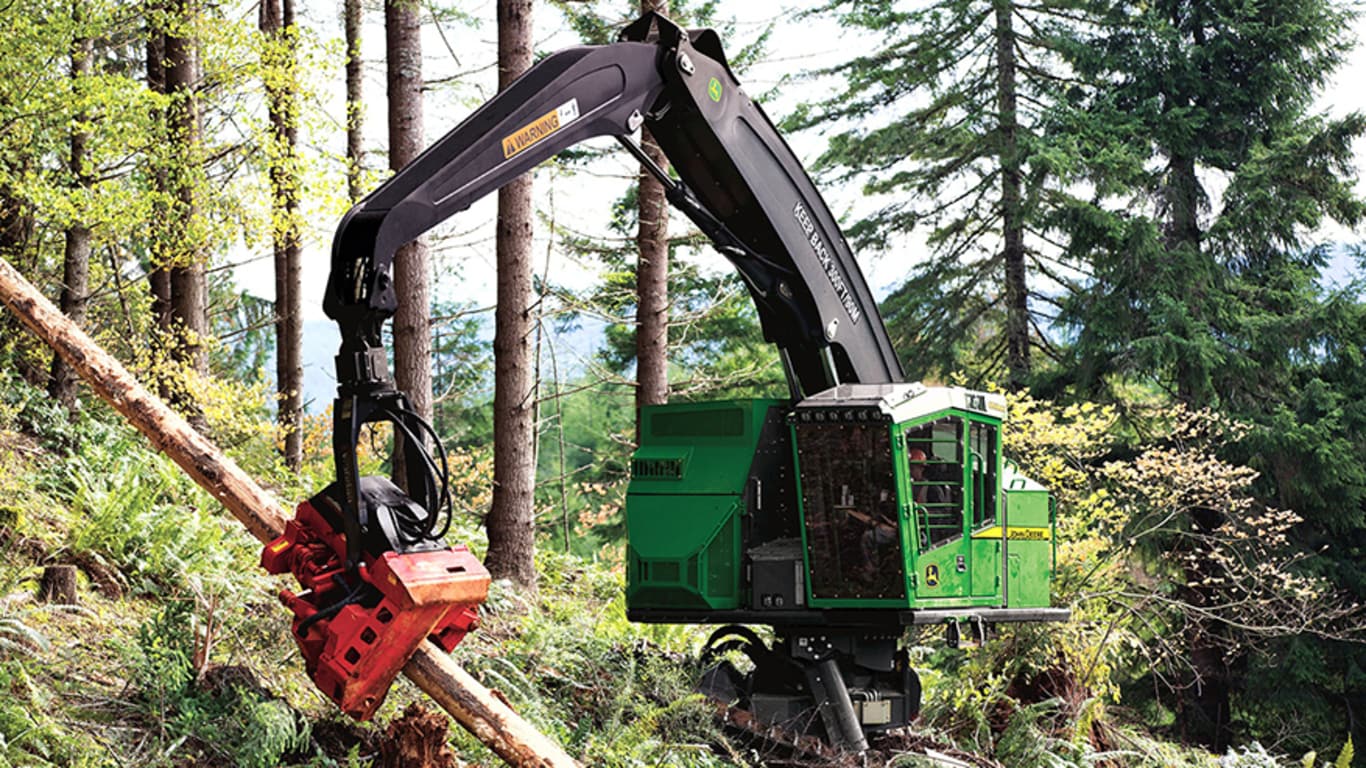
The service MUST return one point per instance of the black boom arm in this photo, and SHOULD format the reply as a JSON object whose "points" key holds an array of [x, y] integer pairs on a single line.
{"points": [[739, 182]]}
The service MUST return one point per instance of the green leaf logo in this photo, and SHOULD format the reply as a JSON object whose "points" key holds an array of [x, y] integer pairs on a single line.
{"points": [[714, 89]]}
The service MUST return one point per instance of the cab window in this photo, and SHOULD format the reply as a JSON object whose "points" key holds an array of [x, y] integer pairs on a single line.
{"points": [[934, 470], [982, 453]]}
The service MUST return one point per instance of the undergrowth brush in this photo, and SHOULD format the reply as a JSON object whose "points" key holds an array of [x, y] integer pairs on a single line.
{"points": [[612, 692], [186, 662], [227, 716], [134, 512]]}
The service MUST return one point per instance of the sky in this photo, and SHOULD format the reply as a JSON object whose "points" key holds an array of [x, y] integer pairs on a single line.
{"points": [[463, 248]]}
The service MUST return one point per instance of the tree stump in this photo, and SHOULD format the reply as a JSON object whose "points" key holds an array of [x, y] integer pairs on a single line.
{"points": [[416, 740], [58, 585]]}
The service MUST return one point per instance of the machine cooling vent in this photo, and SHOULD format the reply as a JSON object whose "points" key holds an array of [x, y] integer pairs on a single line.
{"points": [[657, 469]]}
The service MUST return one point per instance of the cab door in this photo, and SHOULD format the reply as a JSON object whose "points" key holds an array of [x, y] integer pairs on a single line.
{"points": [[934, 479], [984, 505]]}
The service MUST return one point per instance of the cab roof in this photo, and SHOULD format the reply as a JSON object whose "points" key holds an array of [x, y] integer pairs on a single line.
{"points": [[905, 401]]}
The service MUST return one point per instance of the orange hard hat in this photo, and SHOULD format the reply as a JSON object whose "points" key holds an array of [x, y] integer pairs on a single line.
{"points": [[916, 455]]}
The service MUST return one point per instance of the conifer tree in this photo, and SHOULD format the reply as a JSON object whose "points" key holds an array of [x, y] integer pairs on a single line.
{"points": [[412, 320], [1198, 241], [946, 124], [159, 256], [652, 270], [1201, 91], [189, 288], [279, 69], [353, 14], [78, 237], [511, 520]]}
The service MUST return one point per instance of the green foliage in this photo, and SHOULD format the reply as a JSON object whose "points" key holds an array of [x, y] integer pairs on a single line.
{"points": [[1344, 759], [135, 511], [1184, 283], [18, 637], [239, 723], [598, 23], [164, 672], [1026, 743], [244, 326], [1140, 562], [605, 688], [462, 375], [716, 345], [28, 409], [29, 736], [1221, 300], [583, 470], [944, 115]]}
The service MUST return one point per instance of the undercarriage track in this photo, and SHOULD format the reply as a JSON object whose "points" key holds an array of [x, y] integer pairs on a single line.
{"points": [[753, 743], [823, 685]]}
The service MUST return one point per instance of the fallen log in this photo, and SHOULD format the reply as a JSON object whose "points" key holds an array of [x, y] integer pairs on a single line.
{"points": [[472, 705]]}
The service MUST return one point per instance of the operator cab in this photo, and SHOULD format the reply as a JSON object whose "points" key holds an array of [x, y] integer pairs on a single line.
{"points": [[901, 503]]}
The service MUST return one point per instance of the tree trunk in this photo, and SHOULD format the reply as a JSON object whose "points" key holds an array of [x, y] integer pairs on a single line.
{"points": [[189, 292], [76, 260], [412, 321], [1012, 213], [511, 522], [652, 272], [471, 704], [159, 275], [1181, 199], [58, 585], [355, 108], [277, 25], [1205, 706]]}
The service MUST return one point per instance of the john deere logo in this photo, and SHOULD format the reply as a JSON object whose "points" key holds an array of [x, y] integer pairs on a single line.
{"points": [[931, 575], [714, 89]]}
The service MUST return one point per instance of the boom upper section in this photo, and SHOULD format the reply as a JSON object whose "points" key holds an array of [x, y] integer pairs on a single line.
{"points": [[739, 182]]}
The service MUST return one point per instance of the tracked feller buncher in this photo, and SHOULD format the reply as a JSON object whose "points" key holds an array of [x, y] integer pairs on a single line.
{"points": [[838, 516]]}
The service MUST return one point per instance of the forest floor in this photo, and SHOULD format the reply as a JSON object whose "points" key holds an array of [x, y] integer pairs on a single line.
{"points": [[175, 653]]}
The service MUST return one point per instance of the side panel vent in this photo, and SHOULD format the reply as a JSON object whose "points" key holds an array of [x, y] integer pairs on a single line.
{"points": [[721, 562], [657, 469]]}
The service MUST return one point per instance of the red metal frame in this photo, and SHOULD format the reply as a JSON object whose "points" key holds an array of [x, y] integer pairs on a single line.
{"points": [[353, 653]]}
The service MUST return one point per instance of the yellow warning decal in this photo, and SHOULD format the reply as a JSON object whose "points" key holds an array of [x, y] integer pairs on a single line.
{"points": [[527, 136], [1017, 533], [279, 546]]}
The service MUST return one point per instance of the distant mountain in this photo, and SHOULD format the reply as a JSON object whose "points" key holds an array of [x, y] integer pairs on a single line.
{"points": [[321, 341]]}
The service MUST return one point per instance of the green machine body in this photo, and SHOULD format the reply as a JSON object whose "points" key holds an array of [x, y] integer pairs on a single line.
{"points": [[868, 505]]}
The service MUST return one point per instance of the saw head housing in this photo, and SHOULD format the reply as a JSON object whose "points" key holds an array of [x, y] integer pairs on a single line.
{"points": [[358, 626]]}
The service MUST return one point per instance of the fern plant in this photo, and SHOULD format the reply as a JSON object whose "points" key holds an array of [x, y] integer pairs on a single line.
{"points": [[135, 513], [17, 635], [240, 725], [1345, 757]]}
